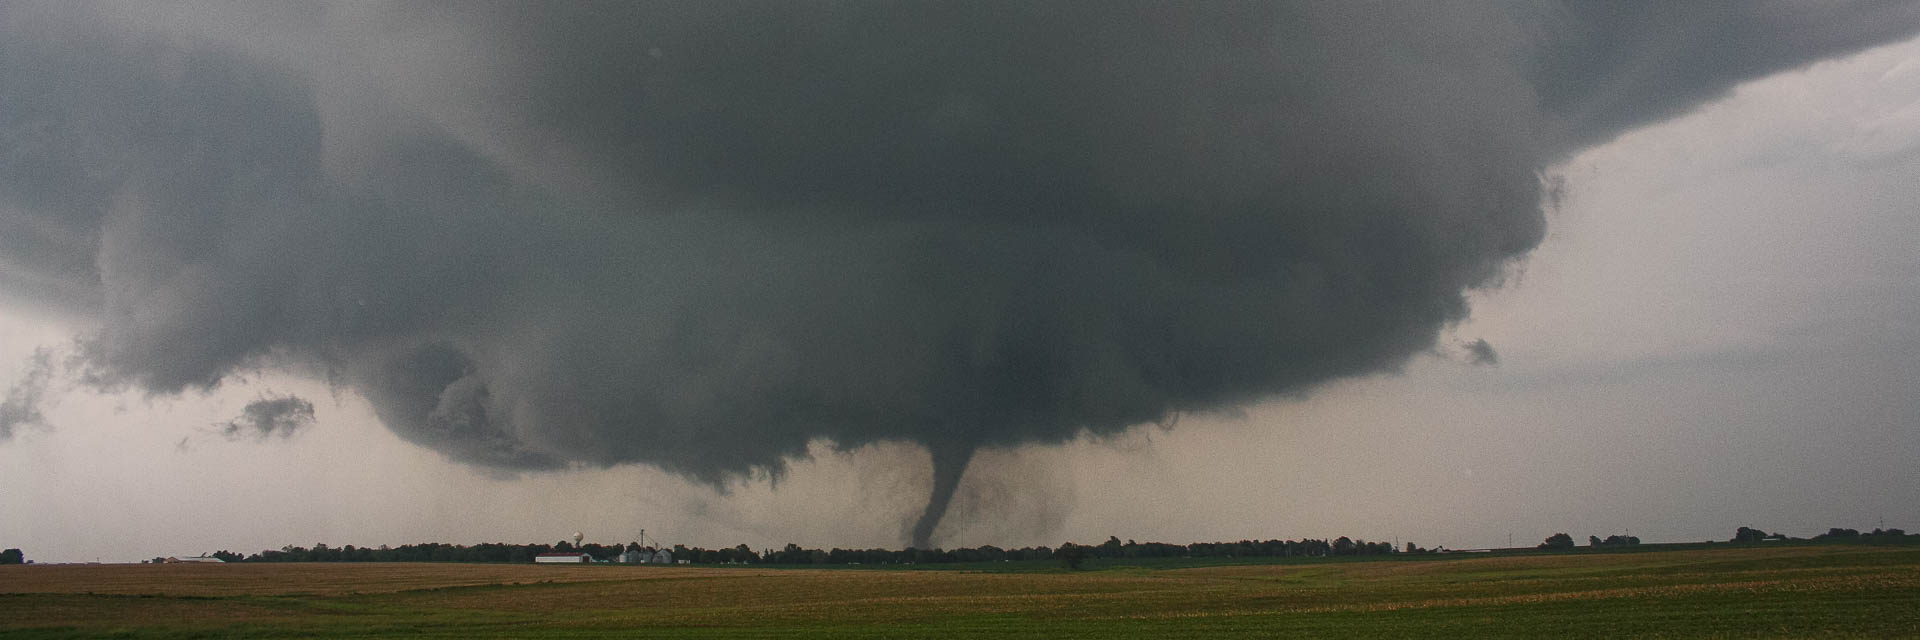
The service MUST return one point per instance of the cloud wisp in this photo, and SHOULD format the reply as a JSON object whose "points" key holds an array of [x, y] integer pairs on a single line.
{"points": [[1480, 352], [269, 417], [21, 406]]}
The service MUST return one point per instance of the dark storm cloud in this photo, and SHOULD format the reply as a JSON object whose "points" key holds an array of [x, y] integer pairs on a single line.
{"points": [[1611, 65], [700, 235], [269, 417]]}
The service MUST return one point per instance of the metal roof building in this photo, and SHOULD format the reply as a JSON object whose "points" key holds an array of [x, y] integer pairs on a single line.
{"points": [[562, 558]]}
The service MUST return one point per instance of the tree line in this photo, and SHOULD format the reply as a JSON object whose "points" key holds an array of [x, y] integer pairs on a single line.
{"points": [[793, 554], [1072, 553], [1836, 534], [1741, 535], [425, 552], [1564, 541], [1068, 553]]}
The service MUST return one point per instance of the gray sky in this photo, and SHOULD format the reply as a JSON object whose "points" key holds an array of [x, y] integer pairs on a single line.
{"points": [[1717, 329]]}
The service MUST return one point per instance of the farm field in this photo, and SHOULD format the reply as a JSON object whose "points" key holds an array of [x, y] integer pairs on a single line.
{"points": [[1786, 591]]}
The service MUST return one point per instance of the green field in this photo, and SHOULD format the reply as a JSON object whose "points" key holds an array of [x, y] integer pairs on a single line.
{"points": [[1783, 591]]}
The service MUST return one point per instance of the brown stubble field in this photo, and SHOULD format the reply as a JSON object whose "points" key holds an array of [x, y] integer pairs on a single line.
{"points": [[1786, 591]]}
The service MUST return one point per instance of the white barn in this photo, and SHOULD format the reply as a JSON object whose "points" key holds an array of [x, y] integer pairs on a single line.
{"points": [[562, 558]]}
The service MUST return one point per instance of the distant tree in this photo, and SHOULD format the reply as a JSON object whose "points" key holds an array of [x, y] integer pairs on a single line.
{"points": [[1558, 541], [1748, 534], [1343, 546], [1071, 555], [1594, 541], [12, 556], [1837, 533]]}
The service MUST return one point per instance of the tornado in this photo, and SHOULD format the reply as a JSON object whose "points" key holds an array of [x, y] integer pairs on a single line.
{"points": [[949, 464]]}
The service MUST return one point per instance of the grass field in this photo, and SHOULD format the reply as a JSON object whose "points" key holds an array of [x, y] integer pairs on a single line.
{"points": [[1786, 591]]}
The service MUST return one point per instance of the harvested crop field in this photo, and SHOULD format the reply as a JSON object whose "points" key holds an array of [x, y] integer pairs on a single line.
{"points": [[1786, 591]]}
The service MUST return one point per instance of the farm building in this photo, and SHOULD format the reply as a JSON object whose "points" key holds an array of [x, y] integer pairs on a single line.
{"points": [[562, 558], [193, 559], [646, 556]]}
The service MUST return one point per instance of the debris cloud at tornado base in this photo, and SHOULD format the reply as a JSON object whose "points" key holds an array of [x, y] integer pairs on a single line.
{"points": [[701, 235]]}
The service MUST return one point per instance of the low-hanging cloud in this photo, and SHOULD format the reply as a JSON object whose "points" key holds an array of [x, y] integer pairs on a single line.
{"points": [[21, 405], [269, 417], [701, 235]]}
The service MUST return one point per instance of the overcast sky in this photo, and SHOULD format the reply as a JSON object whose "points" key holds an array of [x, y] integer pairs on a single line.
{"points": [[393, 276]]}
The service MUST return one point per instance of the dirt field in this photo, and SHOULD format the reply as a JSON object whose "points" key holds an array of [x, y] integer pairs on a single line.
{"points": [[1795, 591]]}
